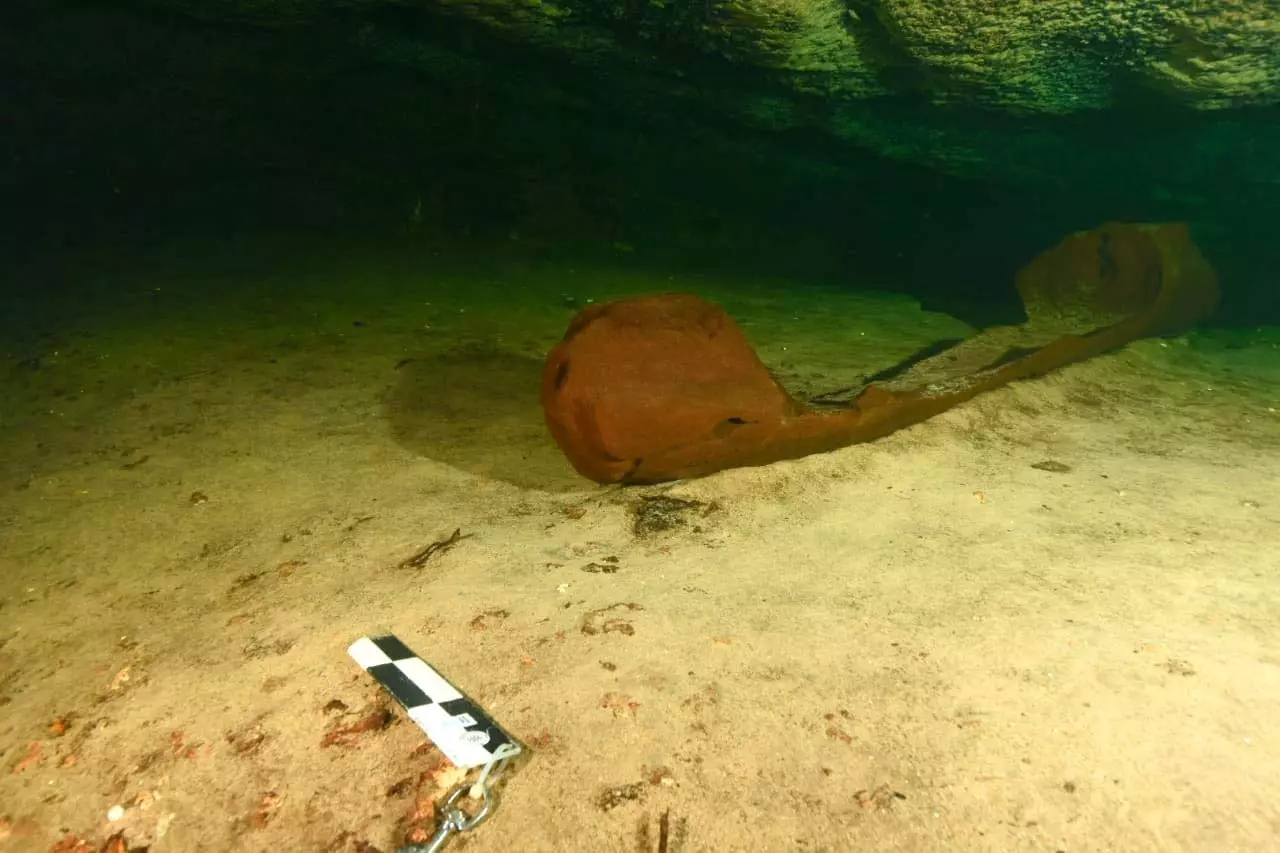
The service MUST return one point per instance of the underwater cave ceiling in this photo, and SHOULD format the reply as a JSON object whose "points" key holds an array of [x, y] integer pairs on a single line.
{"points": [[1043, 56], [876, 72], [1182, 91], [1078, 111]]}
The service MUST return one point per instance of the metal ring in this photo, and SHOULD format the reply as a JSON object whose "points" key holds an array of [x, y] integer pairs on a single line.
{"points": [[470, 821]]}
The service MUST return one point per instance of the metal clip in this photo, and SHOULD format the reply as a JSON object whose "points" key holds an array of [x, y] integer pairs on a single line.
{"points": [[454, 819]]}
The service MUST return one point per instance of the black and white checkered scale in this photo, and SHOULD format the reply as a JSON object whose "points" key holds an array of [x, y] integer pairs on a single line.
{"points": [[459, 727]]}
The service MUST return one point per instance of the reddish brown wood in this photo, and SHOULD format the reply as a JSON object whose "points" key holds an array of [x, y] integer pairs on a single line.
{"points": [[667, 387]]}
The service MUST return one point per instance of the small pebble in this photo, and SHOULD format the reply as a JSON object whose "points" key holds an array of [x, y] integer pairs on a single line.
{"points": [[115, 813]]}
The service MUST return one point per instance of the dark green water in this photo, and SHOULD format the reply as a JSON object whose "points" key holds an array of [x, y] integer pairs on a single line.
{"points": [[137, 129]]}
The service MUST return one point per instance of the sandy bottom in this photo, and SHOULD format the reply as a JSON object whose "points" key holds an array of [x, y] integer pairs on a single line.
{"points": [[216, 459]]}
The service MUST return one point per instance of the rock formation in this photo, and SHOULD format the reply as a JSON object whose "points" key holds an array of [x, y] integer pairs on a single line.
{"points": [[1038, 55]]}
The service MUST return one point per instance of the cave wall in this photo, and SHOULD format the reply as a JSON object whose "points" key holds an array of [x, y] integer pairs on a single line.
{"points": [[366, 117]]}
